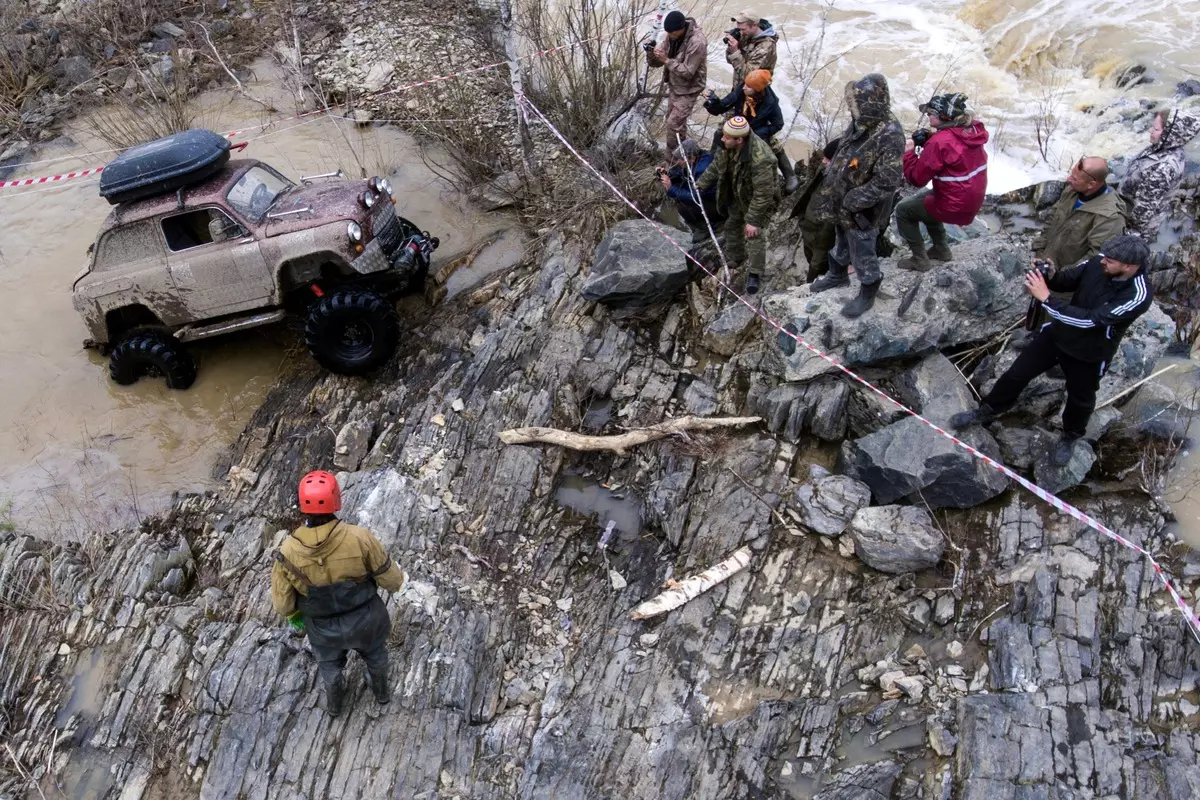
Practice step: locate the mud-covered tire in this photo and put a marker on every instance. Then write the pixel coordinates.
(148, 354)
(351, 331)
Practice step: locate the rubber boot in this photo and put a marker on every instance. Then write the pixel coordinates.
(866, 298)
(918, 261)
(835, 277)
(790, 182)
(379, 685)
(983, 415)
(941, 252)
(753, 283)
(1063, 451)
(335, 696)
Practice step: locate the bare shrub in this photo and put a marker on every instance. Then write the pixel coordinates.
(160, 109)
(820, 104)
(1052, 88)
(24, 63)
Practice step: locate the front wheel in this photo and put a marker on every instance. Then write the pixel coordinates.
(351, 331)
(149, 354)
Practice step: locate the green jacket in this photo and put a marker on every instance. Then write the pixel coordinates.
(1074, 234)
(746, 181)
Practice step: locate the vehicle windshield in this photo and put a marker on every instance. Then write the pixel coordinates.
(254, 193)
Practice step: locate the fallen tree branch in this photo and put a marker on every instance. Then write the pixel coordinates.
(680, 592)
(1119, 395)
(621, 442)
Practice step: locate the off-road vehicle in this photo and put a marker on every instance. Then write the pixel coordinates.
(200, 245)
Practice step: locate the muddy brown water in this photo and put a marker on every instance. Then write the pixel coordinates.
(81, 453)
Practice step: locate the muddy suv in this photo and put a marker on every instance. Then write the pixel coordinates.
(200, 245)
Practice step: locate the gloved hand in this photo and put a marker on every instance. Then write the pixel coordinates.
(712, 104)
(296, 621)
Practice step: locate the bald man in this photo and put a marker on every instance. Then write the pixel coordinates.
(1088, 214)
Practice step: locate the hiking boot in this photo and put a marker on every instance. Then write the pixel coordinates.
(866, 298)
(983, 415)
(1063, 451)
(941, 252)
(790, 182)
(830, 280)
(916, 263)
(335, 696)
(752, 283)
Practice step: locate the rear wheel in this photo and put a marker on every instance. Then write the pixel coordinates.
(351, 331)
(151, 354)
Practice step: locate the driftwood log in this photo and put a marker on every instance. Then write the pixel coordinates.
(680, 592)
(623, 441)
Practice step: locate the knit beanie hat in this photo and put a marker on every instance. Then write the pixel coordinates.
(675, 21)
(758, 79)
(1128, 249)
(736, 127)
(946, 106)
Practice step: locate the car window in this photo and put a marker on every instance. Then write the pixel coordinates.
(255, 191)
(200, 227)
(135, 242)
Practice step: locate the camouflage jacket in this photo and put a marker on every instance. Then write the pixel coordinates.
(868, 167)
(757, 52)
(687, 72)
(746, 181)
(1077, 230)
(1155, 173)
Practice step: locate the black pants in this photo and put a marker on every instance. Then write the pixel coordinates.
(364, 630)
(1042, 355)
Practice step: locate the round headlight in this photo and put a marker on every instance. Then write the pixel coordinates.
(354, 231)
(367, 199)
(386, 186)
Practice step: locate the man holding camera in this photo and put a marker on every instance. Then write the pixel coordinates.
(693, 206)
(684, 59)
(750, 46)
(951, 155)
(1111, 290)
(757, 102)
(743, 174)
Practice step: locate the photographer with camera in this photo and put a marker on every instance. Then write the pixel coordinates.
(679, 188)
(750, 46)
(684, 59)
(1111, 290)
(757, 102)
(950, 154)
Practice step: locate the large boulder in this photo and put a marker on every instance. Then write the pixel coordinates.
(908, 460)
(896, 539)
(935, 389)
(791, 409)
(970, 300)
(636, 267)
(826, 503)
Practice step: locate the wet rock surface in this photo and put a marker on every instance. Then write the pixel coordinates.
(896, 539)
(636, 267)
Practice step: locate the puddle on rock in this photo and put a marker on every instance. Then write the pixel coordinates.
(86, 686)
(83, 453)
(494, 258)
(587, 497)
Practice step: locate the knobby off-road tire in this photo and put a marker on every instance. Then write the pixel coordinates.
(151, 353)
(352, 331)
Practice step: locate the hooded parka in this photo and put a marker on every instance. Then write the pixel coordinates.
(1154, 174)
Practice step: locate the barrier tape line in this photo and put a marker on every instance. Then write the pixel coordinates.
(324, 110)
(1189, 616)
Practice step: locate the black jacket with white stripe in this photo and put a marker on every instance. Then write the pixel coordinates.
(1091, 325)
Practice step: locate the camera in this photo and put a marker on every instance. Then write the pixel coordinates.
(1043, 267)
(648, 46)
(1033, 314)
(735, 33)
(660, 171)
(920, 136)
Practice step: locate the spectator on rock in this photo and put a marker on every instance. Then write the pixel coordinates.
(858, 190)
(1087, 215)
(679, 188)
(1111, 290)
(817, 238)
(753, 48)
(744, 176)
(1155, 173)
(757, 102)
(684, 59)
(953, 158)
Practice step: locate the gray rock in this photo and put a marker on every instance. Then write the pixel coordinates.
(73, 71)
(15, 151)
(827, 504)
(792, 408)
(1055, 479)
(700, 399)
(1047, 193)
(1021, 446)
(908, 460)
(867, 412)
(353, 442)
(943, 609)
(941, 741)
(861, 782)
(935, 389)
(727, 334)
(168, 30)
(1188, 88)
(1102, 421)
(173, 582)
(163, 70)
(1158, 413)
(896, 539)
(378, 76)
(635, 267)
(968, 300)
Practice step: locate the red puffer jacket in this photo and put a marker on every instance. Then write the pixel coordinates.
(954, 159)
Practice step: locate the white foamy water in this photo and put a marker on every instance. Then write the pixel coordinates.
(1020, 62)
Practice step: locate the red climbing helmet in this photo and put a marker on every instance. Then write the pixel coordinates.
(320, 493)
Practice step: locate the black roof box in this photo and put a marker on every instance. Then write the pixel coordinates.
(164, 165)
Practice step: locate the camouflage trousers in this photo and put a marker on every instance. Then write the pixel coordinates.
(857, 247)
(742, 251)
(679, 110)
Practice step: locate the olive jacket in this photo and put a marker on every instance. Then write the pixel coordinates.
(328, 554)
(1077, 230)
(687, 71)
(746, 180)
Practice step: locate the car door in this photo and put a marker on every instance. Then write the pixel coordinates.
(216, 265)
(128, 269)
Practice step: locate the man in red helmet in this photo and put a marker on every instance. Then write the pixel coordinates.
(325, 574)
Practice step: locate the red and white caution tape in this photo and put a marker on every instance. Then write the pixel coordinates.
(1189, 615)
(66, 176)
